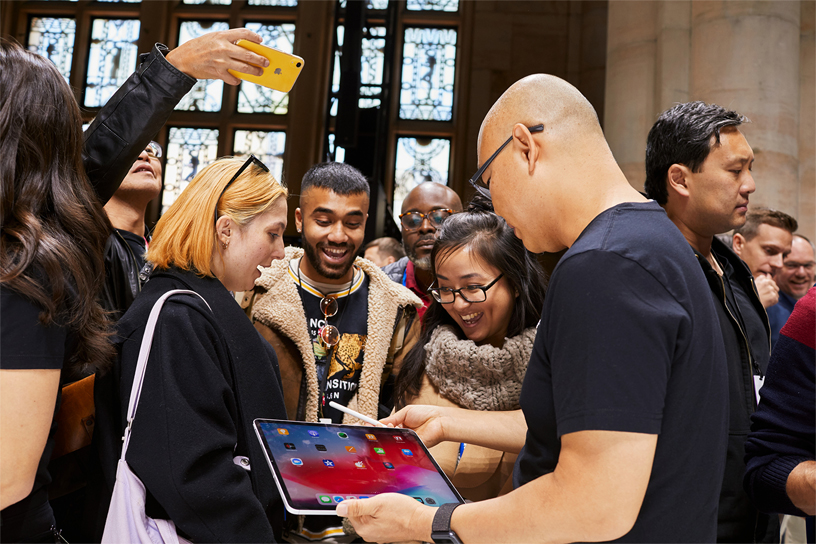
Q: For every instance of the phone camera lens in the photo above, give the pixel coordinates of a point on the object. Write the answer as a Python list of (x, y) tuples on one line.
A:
[(297, 65)]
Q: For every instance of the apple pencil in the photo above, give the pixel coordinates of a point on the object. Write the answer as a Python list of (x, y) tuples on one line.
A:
[(358, 415)]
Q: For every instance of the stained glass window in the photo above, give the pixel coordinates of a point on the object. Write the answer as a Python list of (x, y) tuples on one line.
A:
[(255, 98), (206, 94), (280, 3), (53, 38), (432, 5), (428, 67), (267, 146), (217, 2), (188, 151), (371, 69), (113, 57), (372, 4), (419, 160)]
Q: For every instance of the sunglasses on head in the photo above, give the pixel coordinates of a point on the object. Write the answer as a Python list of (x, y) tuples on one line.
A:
[(251, 160)]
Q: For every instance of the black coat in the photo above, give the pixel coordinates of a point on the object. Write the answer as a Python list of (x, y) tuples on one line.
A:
[(209, 375)]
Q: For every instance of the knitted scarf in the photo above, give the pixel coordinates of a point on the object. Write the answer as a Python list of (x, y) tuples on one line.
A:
[(478, 377)]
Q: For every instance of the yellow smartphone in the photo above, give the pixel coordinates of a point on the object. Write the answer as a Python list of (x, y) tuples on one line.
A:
[(282, 72)]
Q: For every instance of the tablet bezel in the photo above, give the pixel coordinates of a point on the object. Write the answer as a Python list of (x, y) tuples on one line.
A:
[(281, 483)]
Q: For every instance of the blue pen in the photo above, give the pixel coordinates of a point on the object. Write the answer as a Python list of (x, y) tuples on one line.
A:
[(459, 457)]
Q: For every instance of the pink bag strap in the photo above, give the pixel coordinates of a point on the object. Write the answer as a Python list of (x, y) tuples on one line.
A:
[(141, 363)]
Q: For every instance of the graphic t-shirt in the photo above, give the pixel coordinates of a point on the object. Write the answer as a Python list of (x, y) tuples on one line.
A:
[(338, 367)]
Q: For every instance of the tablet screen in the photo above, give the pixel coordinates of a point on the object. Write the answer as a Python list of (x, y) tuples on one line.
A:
[(320, 465)]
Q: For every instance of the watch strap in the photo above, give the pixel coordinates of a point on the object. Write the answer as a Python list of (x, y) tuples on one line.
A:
[(442, 518)]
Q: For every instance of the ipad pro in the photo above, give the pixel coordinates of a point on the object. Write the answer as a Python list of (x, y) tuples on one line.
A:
[(316, 465)]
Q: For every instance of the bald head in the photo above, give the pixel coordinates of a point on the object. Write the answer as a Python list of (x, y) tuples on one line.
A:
[(542, 98), (548, 184), (432, 194)]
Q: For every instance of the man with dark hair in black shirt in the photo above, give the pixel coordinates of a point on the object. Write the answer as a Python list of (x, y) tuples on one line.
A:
[(698, 167), (623, 417), (127, 244)]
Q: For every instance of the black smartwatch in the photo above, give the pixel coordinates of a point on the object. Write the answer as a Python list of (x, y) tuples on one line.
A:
[(441, 529)]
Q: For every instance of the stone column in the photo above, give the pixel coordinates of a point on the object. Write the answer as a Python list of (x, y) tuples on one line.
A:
[(629, 110), (745, 56), (807, 122)]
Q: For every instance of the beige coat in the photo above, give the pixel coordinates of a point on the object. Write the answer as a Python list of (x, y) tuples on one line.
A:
[(277, 312), (482, 473)]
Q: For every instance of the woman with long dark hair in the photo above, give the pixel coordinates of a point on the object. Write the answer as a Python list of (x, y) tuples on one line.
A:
[(51, 271), (477, 336)]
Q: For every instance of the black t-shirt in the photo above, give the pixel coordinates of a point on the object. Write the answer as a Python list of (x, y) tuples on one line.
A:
[(629, 341), (339, 367), (26, 344), (137, 244)]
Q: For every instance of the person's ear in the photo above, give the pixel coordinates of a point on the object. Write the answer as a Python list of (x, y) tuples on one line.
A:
[(223, 231), (677, 179), (390, 259), (298, 220), (524, 142), (738, 243)]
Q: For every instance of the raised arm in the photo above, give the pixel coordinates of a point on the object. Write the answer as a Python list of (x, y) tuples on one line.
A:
[(142, 105)]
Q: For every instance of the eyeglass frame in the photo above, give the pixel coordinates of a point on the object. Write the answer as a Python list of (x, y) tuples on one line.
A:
[(156, 148), (807, 266), (251, 160), (482, 187), (435, 292), (425, 216)]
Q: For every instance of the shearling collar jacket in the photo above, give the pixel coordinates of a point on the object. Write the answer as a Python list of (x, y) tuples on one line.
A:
[(277, 312)]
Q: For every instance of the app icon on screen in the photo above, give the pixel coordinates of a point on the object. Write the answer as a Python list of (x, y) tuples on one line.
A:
[(324, 499), (371, 437), (389, 466), (312, 433), (328, 462), (359, 464), (351, 449), (407, 453), (419, 499), (282, 431), (289, 446), (320, 447), (348, 497), (398, 438), (364, 497), (341, 434), (380, 451), (429, 500), (337, 498), (297, 461)]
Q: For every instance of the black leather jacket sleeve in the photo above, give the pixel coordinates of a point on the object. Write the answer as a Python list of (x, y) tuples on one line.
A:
[(133, 115)]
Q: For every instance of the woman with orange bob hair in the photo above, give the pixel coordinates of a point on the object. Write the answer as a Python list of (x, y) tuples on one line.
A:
[(209, 373)]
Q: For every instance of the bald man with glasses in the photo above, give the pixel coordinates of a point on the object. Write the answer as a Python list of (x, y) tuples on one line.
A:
[(621, 431)]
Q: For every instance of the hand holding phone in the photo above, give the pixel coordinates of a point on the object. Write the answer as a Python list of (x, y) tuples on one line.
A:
[(282, 72)]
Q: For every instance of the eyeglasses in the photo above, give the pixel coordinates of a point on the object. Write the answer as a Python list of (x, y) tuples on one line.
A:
[(251, 160), (412, 221), (329, 333), (791, 266), (471, 293), (483, 187), (154, 149)]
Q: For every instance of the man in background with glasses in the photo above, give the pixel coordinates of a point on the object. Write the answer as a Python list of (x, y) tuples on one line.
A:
[(794, 279), (623, 420), (423, 211)]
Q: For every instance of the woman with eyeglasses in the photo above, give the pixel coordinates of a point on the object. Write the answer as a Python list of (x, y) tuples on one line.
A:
[(477, 336), (209, 373)]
